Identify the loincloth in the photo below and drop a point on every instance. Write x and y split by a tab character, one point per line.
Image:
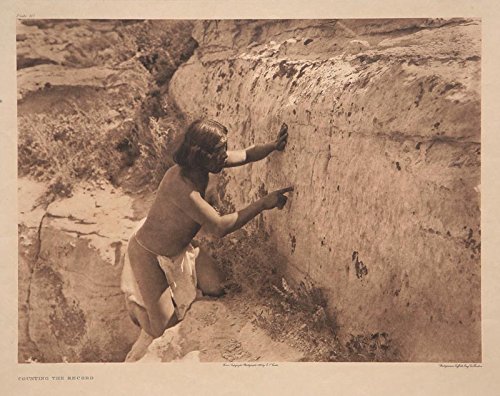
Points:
180	272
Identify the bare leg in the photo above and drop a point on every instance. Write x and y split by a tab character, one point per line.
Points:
158	313
139	315
210	279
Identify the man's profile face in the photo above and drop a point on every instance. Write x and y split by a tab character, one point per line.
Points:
219	156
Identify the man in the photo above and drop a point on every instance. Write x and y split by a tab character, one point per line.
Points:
163	270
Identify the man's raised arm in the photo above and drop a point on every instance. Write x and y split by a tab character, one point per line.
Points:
258	151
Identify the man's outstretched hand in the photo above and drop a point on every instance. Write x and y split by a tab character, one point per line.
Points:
276	199
282	138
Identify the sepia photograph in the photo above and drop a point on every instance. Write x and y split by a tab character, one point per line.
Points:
249	190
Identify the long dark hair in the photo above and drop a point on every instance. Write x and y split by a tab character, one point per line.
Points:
200	140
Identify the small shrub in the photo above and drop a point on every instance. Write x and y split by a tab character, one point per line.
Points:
63	149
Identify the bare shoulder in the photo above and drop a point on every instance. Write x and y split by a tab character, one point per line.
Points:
173	185
178	189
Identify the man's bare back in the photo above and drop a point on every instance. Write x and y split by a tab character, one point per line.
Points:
168	230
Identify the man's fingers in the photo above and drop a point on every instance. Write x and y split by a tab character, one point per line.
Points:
281	201
281	142
285	190
282	137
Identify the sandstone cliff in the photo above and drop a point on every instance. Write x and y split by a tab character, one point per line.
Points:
384	154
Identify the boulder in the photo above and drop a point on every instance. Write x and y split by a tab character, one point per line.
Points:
71	305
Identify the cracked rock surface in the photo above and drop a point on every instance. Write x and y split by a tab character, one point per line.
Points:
72	308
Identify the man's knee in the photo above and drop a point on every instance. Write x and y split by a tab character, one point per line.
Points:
155	332
157	329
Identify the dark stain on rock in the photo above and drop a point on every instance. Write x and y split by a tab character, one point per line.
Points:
118	251
23	63
398	166
302	71
472	243
432	83
450	86
367	59
360	267
473	58
294	242
420	94
254	84
257	33
285	70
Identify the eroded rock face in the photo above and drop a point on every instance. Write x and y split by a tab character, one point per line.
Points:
72	308
384	155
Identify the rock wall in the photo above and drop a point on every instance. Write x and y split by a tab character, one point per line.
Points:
384	154
71	305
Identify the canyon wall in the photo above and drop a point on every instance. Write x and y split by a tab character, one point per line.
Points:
384	155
